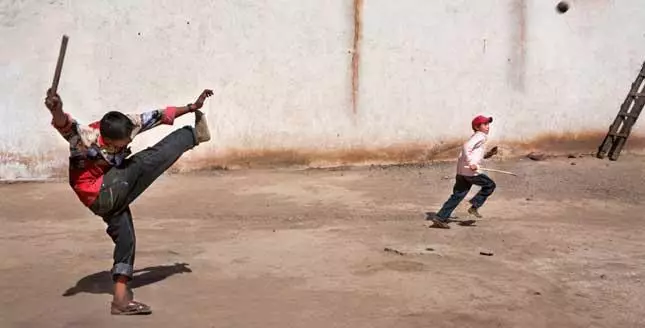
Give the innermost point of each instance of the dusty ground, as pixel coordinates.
(306, 249)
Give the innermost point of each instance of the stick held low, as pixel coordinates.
(494, 170)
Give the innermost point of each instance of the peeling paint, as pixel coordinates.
(554, 144)
(15, 166)
(275, 158)
(409, 153)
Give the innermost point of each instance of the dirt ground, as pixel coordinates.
(306, 248)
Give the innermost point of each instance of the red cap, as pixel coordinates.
(479, 120)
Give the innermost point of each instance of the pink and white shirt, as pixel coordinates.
(472, 152)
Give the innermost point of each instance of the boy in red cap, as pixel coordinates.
(472, 153)
(107, 179)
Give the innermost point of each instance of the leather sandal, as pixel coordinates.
(130, 308)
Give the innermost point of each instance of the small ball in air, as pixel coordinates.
(562, 7)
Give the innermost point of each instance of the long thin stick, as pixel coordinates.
(494, 170)
(59, 64)
(498, 171)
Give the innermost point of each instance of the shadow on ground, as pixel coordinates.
(461, 222)
(101, 282)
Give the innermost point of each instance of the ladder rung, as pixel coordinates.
(637, 94)
(628, 115)
(619, 135)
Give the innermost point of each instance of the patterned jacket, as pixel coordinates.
(90, 157)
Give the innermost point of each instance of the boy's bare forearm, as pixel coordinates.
(182, 110)
(54, 103)
(195, 106)
(60, 119)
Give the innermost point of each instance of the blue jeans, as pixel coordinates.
(460, 190)
(123, 184)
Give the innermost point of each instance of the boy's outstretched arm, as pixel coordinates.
(148, 120)
(198, 104)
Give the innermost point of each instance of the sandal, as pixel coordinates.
(439, 224)
(131, 308)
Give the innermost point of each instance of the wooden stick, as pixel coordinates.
(498, 171)
(59, 64)
(494, 170)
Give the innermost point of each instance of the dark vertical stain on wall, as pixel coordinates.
(517, 58)
(356, 52)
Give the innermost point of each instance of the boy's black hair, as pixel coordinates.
(116, 126)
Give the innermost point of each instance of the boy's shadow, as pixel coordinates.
(101, 282)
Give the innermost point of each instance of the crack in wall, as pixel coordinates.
(356, 53)
(517, 58)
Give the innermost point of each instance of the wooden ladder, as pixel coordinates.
(627, 115)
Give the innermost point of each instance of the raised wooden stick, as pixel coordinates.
(59, 64)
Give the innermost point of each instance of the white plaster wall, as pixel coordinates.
(429, 66)
(281, 69)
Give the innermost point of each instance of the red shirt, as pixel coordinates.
(90, 158)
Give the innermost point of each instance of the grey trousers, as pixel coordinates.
(123, 184)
